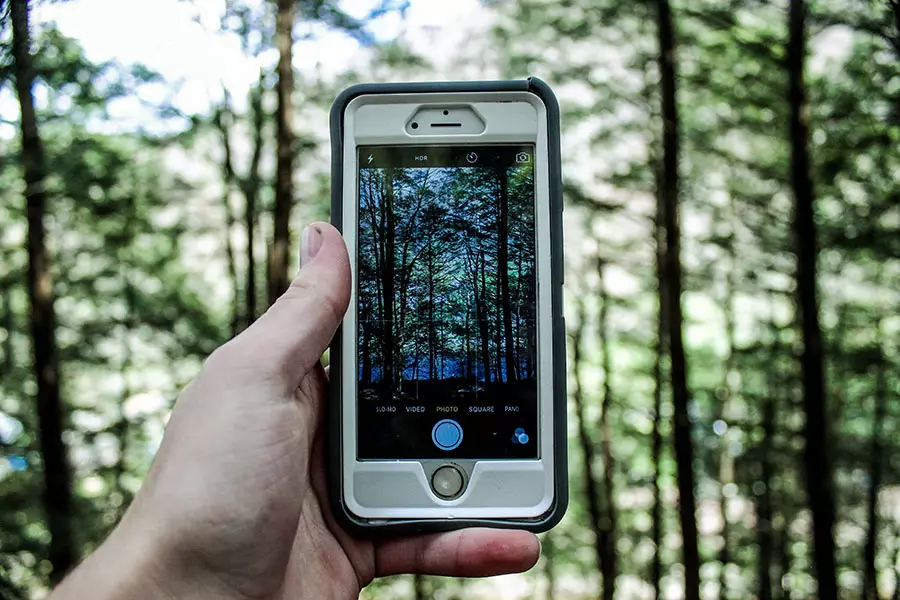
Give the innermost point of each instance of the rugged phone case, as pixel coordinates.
(334, 466)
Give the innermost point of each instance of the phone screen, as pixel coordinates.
(446, 288)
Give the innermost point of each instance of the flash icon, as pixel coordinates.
(370, 159)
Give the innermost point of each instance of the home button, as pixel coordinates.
(447, 482)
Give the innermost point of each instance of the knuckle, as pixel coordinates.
(317, 296)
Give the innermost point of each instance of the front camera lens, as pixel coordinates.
(415, 125)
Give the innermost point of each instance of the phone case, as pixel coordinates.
(334, 466)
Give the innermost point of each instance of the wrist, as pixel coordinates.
(135, 562)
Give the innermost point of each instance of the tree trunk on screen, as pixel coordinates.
(366, 327)
(483, 324)
(57, 493)
(251, 186)
(223, 121)
(608, 533)
(876, 456)
(498, 330)
(503, 272)
(469, 377)
(387, 281)
(432, 330)
(684, 451)
(817, 459)
(279, 258)
(585, 441)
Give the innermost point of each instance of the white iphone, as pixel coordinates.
(448, 401)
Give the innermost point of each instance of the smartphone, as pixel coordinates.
(448, 401)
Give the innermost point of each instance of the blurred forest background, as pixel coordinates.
(733, 264)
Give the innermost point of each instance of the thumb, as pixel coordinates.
(292, 335)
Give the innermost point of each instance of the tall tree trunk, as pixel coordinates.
(122, 426)
(817, 457)
(419, 590)
(764, 529)
(279, 258)
(656, 446)
(876, 456)
(503, 272)
(896, 561)
(684, 450)
(608, 534)
(784, 556)
(726, 460)
(585, 441)
(57, 493)
(548, 551)
(223, 120)
(6, 323)
(251, 186)
(387, 282)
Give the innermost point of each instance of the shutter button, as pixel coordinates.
(447, 482)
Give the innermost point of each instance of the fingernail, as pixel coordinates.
(310, 242)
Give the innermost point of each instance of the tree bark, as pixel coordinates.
(57, 493)
(817, 457)
(223, 120)
(876, 456)
(684, 451)
(251, 186)
(608, 533)
(503, 272)
(284, 168)
(585, 441)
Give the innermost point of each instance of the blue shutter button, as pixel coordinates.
(447, 434)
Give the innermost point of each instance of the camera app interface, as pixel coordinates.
(446, 336)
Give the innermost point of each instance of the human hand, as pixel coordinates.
(235, 504)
